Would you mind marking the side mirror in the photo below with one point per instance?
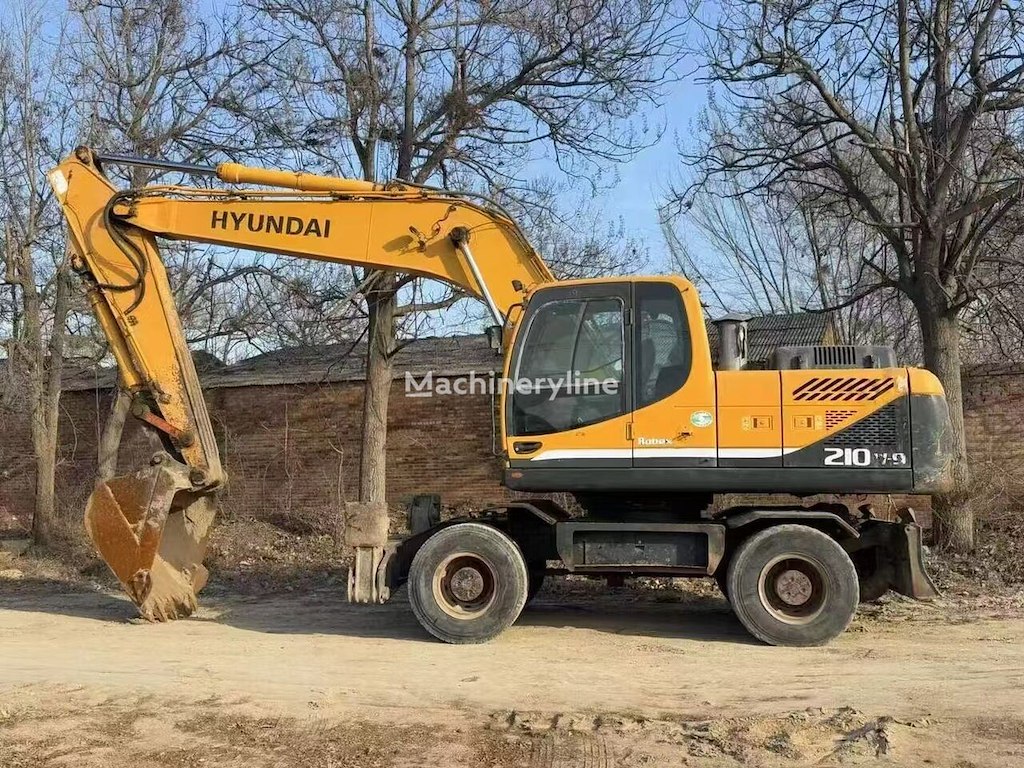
(493, 333)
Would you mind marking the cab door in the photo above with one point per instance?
(569, 398)
(674, 387)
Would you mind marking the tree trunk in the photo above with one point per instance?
(382, 301)
(381, 306)
(44, 518)
(110, 439)
(954, 515)
(47, 376)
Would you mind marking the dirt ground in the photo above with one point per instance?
(587, 679)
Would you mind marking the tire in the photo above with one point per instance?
(722, 580)
(467, 583)
(536, 581)
(793, 585)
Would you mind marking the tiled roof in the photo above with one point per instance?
(767, 333)
(326, 363)
(345, 362)
(441, 354)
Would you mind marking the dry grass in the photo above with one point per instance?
(998, 560)
(145, 732)
(250, 556)
(115, 733)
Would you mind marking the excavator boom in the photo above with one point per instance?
(151, 526)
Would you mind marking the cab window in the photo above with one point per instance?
(664, 351)
(571, 369)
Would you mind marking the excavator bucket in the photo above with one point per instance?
(152, 533)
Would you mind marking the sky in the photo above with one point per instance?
(642, 184)
(644, 180)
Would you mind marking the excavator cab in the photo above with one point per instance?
(614, 389)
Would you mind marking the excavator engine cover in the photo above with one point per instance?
(151, 530)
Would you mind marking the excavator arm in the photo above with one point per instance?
(151, 526)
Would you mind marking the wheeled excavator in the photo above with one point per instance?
(611, 398)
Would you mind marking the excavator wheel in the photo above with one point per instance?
(468, 583)
(793, 585)
(722, 580)
(536, 576)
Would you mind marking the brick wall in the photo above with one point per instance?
(994, 420)
(295, 449)
(17, 471)
(292, 451)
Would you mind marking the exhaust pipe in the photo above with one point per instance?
(732, 342)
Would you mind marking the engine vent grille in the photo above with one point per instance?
(850, 389)
(835, 357)
(877, 430)
(824, 356)
(834, 418)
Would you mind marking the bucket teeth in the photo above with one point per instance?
(172, 596)
(154, 547)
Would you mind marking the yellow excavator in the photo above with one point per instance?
(609, 395)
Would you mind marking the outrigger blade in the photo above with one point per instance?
(151, 530)
(910, 577)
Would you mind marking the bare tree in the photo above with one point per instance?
(460, 94)
(993, 325)
(32, 126)
(768, 254)
(234, 307)
(903, 116)
(743, 253)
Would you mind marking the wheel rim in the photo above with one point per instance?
(793, 588)
(464, 585)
